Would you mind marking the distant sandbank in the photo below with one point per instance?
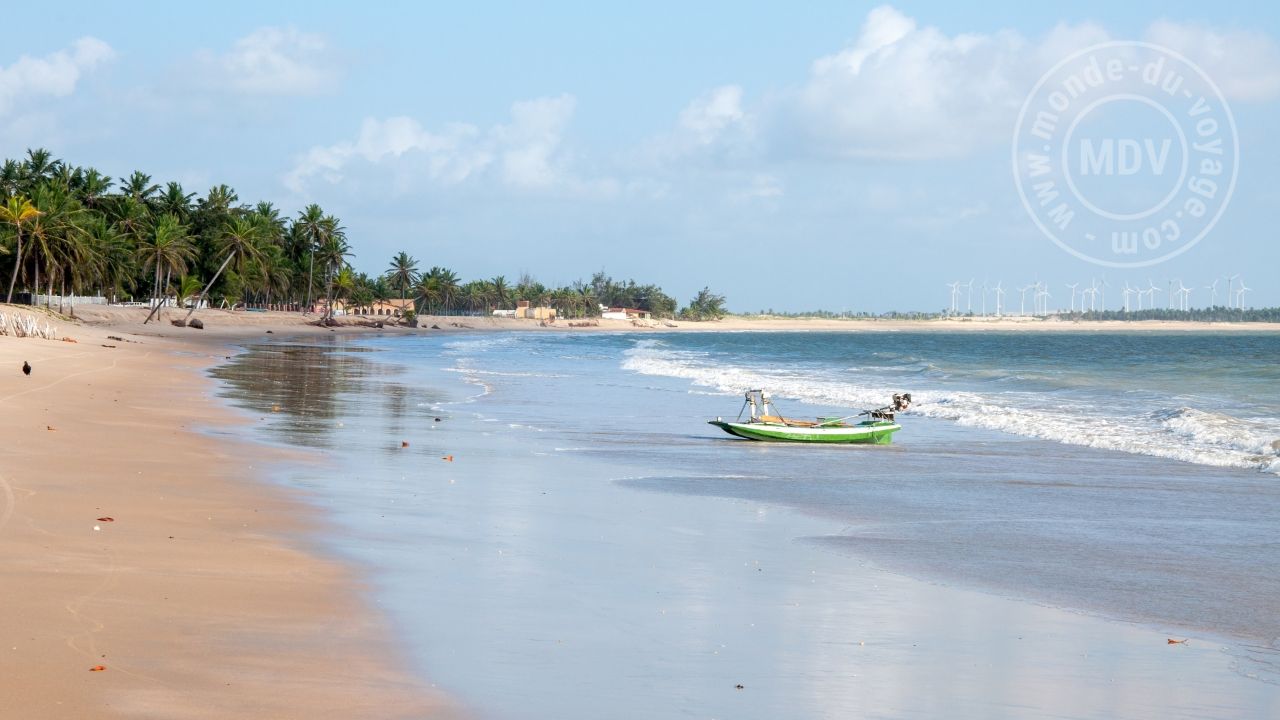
(224, 322)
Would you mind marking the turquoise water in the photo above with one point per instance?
(1129, 476)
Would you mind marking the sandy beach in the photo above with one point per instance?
(149, 570)
(160, 571)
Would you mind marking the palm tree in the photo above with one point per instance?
(344, 285)
(38, 167)
(10, 178)
(167, 249)
(115, 255)
(426, 293)
(55, 237)
(17, 211)
(446, 285)
(332, 256)
(139, 187)
(188, 285)
(403, 273)
(501, 292)
(175, 201)
(272, 225)
(239, 243)
(312, 225)
(92, 188)
(269, 272)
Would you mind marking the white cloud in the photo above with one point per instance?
(530, 142)
(275, 61)
(525, 153)
(905, 91)
(54, 75)
(1244, 64)
(708, 116)
(908, 91)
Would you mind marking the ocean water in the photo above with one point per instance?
(565, 535)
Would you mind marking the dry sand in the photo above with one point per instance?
(199, 596)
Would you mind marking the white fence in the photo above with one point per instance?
(56, 300)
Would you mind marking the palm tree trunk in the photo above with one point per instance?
(311, 268)
(204, 292)
(17, 263)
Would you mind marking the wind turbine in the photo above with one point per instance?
(1213, 291)
(1151, 294)
(1042, 294)
(1022, 303)
(1230, 280)
(1103, 290)
(1240, 294)
(968, 310)
(1073, 287)
(999, 289)
(1127, 292)
(955, 291)
(984, 297)
(1184, 296)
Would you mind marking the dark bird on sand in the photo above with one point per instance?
(26, 368)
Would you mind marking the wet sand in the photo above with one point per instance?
(140, 539)
(575, 572)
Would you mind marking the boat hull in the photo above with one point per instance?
(877, 434)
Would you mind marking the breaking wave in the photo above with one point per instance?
(1175, 432)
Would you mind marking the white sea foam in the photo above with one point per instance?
(1179, 433)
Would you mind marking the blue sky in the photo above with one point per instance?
(726, 144)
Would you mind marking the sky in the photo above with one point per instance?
(838, 155)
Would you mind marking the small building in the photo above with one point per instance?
(624, 313)
(528, 312)
(394, 307)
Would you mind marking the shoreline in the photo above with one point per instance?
(145, 545)
(243, 323)
(702, 588)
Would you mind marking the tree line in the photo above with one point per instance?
(69, 229)
(66, 229)
(439, 291)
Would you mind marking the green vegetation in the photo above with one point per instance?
(73, 230)
(706, 306)
(439, 291)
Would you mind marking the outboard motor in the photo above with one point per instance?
(901, 402)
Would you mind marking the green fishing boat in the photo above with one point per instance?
(764, 422)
